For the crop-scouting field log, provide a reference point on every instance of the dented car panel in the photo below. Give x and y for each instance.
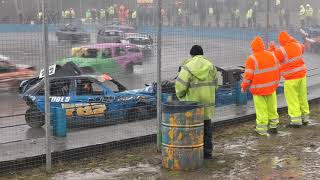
(101, 103)
(110, 58)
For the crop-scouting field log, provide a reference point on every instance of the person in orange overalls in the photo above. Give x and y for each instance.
(293, 70)
(122, 14)
(262, 77)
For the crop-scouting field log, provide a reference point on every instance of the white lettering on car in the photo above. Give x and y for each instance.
(60, 99)
(52, 71)
(67, 99)
(33, 98)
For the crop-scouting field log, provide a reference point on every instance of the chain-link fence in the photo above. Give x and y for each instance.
(105, 57)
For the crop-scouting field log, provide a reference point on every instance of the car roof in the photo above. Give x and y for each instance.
(112, 30)
(107, 45)
(3, 57)
(34, 88)
(136, 35)
(73, 77)
(7, 62)
(120, 26)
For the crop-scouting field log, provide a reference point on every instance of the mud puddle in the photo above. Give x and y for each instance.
(129, 172)
(238, 154)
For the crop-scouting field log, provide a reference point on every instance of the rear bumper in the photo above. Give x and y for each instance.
(138, 63)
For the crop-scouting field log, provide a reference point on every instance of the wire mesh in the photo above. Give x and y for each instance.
(105, 52)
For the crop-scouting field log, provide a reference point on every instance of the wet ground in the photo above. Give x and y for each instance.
(238, 154)
(25, 48)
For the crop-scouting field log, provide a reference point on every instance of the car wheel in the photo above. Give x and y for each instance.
(130, 68)
(138, 114)
(133, 115)
(149, 112)
(59, 39)
(34, 118)
(108, 120)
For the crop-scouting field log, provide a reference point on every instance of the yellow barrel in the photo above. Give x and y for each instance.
(182, 135)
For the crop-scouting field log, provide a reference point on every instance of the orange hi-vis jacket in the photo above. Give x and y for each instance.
(290, 55)
(262, 74)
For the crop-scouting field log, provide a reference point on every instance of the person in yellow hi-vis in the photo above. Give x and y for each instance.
(294, 71)
(302, 15)
(40, 16)
(309, 15)
(197, 81)
(249, 17)
(262, 77)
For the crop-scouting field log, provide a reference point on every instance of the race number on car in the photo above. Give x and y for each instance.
(52, 71)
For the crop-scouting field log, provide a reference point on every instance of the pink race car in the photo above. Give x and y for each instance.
(11, 75)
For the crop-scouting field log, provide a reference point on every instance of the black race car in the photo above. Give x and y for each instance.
(311, 37)
(109, 36)
(73, 33)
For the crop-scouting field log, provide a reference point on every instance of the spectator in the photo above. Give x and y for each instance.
(197, 81)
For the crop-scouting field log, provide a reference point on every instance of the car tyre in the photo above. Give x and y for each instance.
(138, 114)
(130, 68)
(133, 115)
(34, 118)
(108, 120)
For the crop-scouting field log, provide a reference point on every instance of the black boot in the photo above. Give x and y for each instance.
(293, 126)
(305, 121)
(273, 131)
(207, 139)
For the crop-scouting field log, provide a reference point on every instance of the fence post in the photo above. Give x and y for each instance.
(81, 9)
(47, 85)
(267, 38)
(159, 74)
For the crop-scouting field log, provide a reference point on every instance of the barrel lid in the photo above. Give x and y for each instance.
(180, 106)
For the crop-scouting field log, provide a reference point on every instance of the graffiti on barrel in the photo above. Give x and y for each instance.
(182, 139)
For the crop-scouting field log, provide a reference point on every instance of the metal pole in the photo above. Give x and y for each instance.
(38, 6)
(61, 5)
(22, 9)
(80, 9)
(47, 86)
(16, 3)
(268, 22)
(159, 111)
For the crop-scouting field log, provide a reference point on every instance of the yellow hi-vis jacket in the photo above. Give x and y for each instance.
(309, 12)
(197, 81)
(302, 12)
(249, 13)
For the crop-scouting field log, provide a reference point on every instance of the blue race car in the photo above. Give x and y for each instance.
(88, 100)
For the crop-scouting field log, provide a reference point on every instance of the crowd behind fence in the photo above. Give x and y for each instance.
(91, 81)
(201, 12)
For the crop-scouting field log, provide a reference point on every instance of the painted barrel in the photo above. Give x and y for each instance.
(59, 120)
(182, 135)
